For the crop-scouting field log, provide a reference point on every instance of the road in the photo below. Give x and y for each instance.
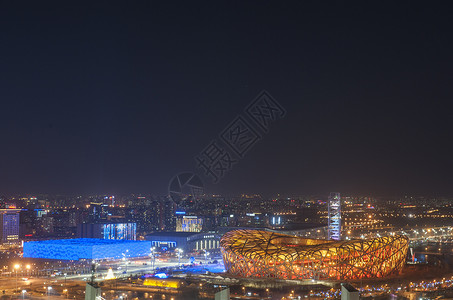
(73, 286)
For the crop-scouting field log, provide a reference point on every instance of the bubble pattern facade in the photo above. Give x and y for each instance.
(75, 249)
(265, 254)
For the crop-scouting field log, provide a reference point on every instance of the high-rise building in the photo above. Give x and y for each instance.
(108, 231)
(189, 224)
(168, 212)
(98, 211)
(146, 212)
(9, 225)
(334, 215)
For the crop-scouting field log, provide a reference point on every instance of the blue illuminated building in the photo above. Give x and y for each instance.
(110, 231)
(119, 231)
(188, 241)
(334, 216)
(75, 249)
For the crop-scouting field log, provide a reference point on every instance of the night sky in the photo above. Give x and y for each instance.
(118, 97)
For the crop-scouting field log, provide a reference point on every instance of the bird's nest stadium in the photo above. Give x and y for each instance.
(265, 254)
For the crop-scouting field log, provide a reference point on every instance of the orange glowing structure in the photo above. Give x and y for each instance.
(265, 254)
(165, 283)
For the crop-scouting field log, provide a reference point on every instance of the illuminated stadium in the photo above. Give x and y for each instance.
(265, 254)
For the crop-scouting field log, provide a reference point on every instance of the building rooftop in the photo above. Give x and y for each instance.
(76, 249)
(349, 288)
(92, 242)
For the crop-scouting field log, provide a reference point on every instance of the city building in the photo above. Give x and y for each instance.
(265, 254)
(169, 240)
(204, 241)
(348, 292)
(188, 241)
(334, 216)
(98, 211)
(9, 225)
(168, 214)
(146, 212)
(189, 224)
(108, 231)
(223, 294)
(193, 241)
(75, 249)
(92, 291)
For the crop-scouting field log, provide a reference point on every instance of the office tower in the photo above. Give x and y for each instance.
(334, 214)
(9, 225)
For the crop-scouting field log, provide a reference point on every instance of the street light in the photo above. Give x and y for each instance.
(49, 288)
(206, 254)
(124, 258)
(179, 253)
(23, 294)
(16, 267)
(28, 269)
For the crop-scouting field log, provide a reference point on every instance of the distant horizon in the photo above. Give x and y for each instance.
(230, 195)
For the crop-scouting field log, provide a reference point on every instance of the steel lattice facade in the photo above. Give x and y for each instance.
(265, 254)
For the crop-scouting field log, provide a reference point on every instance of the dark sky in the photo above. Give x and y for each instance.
(118, 97)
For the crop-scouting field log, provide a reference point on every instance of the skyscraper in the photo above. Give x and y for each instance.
(169, 217)
(334, 214)
(9, 225)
